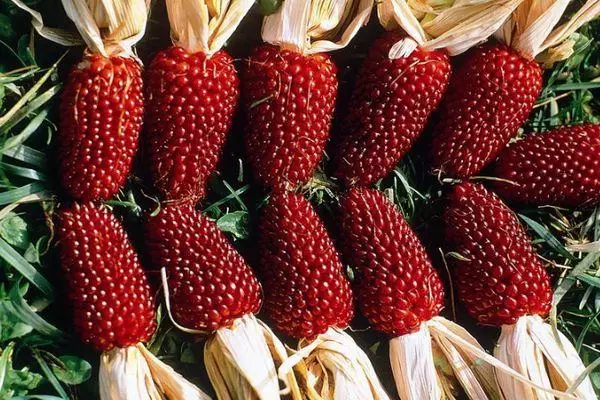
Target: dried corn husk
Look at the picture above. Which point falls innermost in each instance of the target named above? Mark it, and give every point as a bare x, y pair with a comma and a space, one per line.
453, 26
333, 367
205, 25
239, 361
316, 26
133, 373
530, 30
108, 27
545, 356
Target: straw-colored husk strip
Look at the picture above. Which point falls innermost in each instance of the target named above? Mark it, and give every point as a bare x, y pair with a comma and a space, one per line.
205, 25
333, 367
453, 26
431, 363
316, 26
239, 362
530, 30
545, 356
133, 373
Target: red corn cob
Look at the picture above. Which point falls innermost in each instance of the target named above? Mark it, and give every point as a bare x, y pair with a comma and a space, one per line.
210, 284
306, 291
560, 167
289, 100
490, 96
391, 103
191, 101
499, 277
112, 302
100, 121
397, 287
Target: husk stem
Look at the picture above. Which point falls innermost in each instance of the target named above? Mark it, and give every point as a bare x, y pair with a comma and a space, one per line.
205, 25
531, 28
545, 356
454, 26
333, 367
240, 362
316, 26
134, 373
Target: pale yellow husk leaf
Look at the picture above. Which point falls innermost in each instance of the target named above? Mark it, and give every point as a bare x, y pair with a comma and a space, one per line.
333, 367
133, 373
205, 25
240, 361
532, 348
453, 26
531, 28
316, 26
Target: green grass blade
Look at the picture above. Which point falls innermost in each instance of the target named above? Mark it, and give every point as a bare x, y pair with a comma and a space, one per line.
27, 155
576, 86
17, 306
32, 107
50, 375
575, 273
22, 172
18, 262
31, 127
14, 195
547, 236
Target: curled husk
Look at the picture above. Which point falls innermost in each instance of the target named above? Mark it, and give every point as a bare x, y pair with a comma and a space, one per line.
441, 355
316, 26
531, 28
240, 362
135, 373
107, 27
452, 26
545, 356
205, 25
333, 367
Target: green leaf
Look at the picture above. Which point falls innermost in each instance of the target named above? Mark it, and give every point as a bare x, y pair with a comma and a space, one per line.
24, 51
18, 262
235, 223
13, 382
32, 254
13, 229
267, 7
548, 237
11, 327
6, 29
27, 155
28, 173
72, 370
17, 306
49, 374
17, 194
576, 86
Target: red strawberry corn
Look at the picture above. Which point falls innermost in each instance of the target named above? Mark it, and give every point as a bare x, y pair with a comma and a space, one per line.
290, 88
502, 283
401, 295
192, 91
560, 167
308, 297
101, 108
403, 79
494, 90
212, 290
113, 305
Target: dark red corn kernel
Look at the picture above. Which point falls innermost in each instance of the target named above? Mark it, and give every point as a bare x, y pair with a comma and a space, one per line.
210, 284
191, 100
391, 103
490, 96
289, 100
560, 167
106, 284
397, 287
101, 114
498, 276
306, 291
